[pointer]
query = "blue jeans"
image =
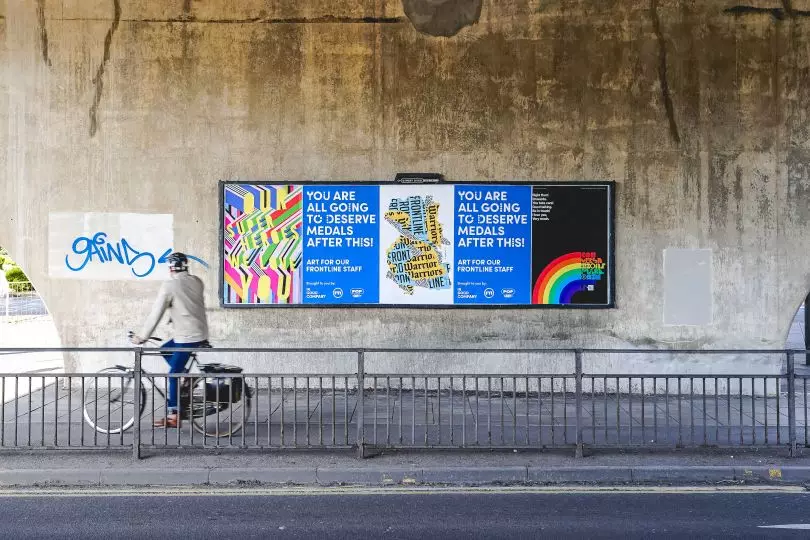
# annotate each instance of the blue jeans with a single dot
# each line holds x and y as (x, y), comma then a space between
(177, 364)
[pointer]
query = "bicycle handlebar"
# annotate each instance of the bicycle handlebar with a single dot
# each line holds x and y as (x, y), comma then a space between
(153, 338)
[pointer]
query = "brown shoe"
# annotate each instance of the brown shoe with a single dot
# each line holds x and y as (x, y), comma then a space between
(171, 421)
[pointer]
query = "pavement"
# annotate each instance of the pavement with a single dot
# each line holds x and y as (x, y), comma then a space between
(34, 331)
(406, 513)
(392, 468)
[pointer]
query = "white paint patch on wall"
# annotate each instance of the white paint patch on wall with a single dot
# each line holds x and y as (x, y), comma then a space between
(688, 287)
(109, 246)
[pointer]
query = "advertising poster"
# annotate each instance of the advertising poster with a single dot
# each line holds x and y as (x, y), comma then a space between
(341, 244)
(493, 244)
(416, 244)
(262, 247)
(570, 248)
(422, 245)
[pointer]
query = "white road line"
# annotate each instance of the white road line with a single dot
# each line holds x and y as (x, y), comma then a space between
(796, 526)
(215, 491)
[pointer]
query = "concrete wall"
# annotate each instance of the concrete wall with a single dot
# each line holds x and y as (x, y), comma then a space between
(699, 114)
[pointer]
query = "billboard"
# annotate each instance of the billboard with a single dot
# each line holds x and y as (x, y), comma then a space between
(437, 245)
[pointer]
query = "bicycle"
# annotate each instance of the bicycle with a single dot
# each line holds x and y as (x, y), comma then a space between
(203, 396)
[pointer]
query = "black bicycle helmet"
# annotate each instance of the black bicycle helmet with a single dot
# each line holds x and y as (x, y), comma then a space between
(177, 261)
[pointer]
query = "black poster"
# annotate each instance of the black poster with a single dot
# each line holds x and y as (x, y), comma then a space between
(572, 245)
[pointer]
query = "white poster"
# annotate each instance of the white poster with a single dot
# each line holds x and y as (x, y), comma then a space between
(101, 246)
(416, 244)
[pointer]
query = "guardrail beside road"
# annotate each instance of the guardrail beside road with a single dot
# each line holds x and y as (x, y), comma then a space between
(575, 409)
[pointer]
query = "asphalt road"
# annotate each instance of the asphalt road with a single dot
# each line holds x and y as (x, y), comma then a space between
(381, 513)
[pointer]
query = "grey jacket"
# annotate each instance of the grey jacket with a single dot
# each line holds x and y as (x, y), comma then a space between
(182, 295)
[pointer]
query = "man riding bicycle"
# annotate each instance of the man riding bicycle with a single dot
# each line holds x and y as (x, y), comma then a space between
(183, 296)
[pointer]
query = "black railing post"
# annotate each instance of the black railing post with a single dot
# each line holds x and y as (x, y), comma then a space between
(361, 419)
(578, 398)
(791, 376)
(807, 329)
(136, 432)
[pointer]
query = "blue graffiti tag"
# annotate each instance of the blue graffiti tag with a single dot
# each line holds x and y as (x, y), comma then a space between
(98, 248)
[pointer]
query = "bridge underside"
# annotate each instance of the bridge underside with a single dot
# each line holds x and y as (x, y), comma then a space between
(695, 109)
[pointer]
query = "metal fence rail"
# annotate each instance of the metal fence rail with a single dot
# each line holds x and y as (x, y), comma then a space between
(20, 299)
(577, 410)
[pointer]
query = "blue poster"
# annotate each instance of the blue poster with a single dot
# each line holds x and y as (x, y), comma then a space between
(341, 251)
(493, 228)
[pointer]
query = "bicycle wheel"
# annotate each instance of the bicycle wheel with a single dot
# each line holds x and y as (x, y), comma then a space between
(219, 405)
(109, 401)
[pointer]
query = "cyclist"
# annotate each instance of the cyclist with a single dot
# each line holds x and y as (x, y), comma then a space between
(182, 295)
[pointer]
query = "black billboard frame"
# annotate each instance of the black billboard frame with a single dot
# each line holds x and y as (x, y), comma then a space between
(611, 304)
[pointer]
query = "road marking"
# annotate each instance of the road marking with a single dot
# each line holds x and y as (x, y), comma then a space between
(797, 526)
(215, 491)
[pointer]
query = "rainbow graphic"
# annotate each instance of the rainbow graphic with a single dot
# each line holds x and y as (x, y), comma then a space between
(567, 275)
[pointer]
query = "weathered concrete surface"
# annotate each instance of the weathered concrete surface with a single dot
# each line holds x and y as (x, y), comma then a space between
(698, 114)
(442, 17)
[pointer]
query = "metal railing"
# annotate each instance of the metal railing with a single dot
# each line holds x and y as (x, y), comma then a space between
(572, 408)
(20, 299)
